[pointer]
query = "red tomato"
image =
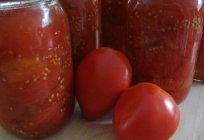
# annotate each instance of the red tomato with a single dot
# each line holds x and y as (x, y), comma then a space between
(101, 77)
(145, 112)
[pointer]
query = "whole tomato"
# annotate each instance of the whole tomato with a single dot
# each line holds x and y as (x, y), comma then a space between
(145, 112)
(101, 77)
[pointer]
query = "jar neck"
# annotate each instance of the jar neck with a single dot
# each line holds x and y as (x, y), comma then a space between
(18, 4)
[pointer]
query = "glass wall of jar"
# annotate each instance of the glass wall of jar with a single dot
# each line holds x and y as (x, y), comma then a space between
(85, 19)
(163, 39)
(35, 67)
(199, 72)
(113, 23)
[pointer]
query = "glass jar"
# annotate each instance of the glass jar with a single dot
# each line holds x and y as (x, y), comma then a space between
(199, 72)
(163, 39)
(113, 23)
(85, 19)
(35, 67)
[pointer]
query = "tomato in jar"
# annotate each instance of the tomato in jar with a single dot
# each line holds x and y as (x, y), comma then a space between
(35, 67)
(163, 39)
(113, 23)
(199, 72)
(84, 17)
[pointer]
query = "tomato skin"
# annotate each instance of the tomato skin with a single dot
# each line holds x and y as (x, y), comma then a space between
(144, 112)
(101, 77)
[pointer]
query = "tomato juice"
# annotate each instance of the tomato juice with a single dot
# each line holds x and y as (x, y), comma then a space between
(84, 17)
(35, 68)
(162, 42)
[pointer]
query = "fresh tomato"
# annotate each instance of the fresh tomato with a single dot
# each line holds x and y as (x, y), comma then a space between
(145, 112)
(101, 77)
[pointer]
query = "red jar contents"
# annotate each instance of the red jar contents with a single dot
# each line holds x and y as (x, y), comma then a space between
(199, 72)
(84, 17)
(113, 23)
(163, 38)
(35, 69)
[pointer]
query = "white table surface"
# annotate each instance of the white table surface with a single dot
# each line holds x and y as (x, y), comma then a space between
(191, 126)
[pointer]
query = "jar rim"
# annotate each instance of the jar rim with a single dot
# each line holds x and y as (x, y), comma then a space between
(10, 4)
